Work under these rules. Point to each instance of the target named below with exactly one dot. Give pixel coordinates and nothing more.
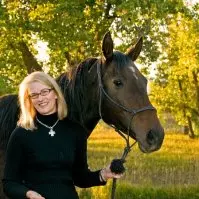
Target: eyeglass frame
(36, 95)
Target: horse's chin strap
(128, 147)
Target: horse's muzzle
(154, 140)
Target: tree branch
(29, 59)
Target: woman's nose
(40, 97)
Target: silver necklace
(51, 132)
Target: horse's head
(125, 102)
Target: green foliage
(177, 82)
(77, 27)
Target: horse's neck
(90, 124)
(83, 101)
(86, 114)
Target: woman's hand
(106, 174)
(33, 195)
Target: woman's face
(44, 98)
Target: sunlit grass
(165, 174)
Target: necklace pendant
(51, 132)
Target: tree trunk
(29, 59)
(191, 131)
(195, 78)
(186, 130)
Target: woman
(46, 154)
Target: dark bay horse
(111, 88)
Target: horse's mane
(74, 87)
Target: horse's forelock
(121, 59)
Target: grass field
(170, 173)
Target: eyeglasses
(43, 92)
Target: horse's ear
(107, 46)
(134, 51)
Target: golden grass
(175, 165)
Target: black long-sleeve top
(49, 165)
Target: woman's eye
(118, 83)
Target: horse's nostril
(151, 137)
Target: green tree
(75, 28)
(177, 82)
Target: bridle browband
(132, 111)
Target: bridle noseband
(132, 111)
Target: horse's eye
(118, 83)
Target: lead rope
(127, 149)
(125, 153)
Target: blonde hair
(28, 112)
